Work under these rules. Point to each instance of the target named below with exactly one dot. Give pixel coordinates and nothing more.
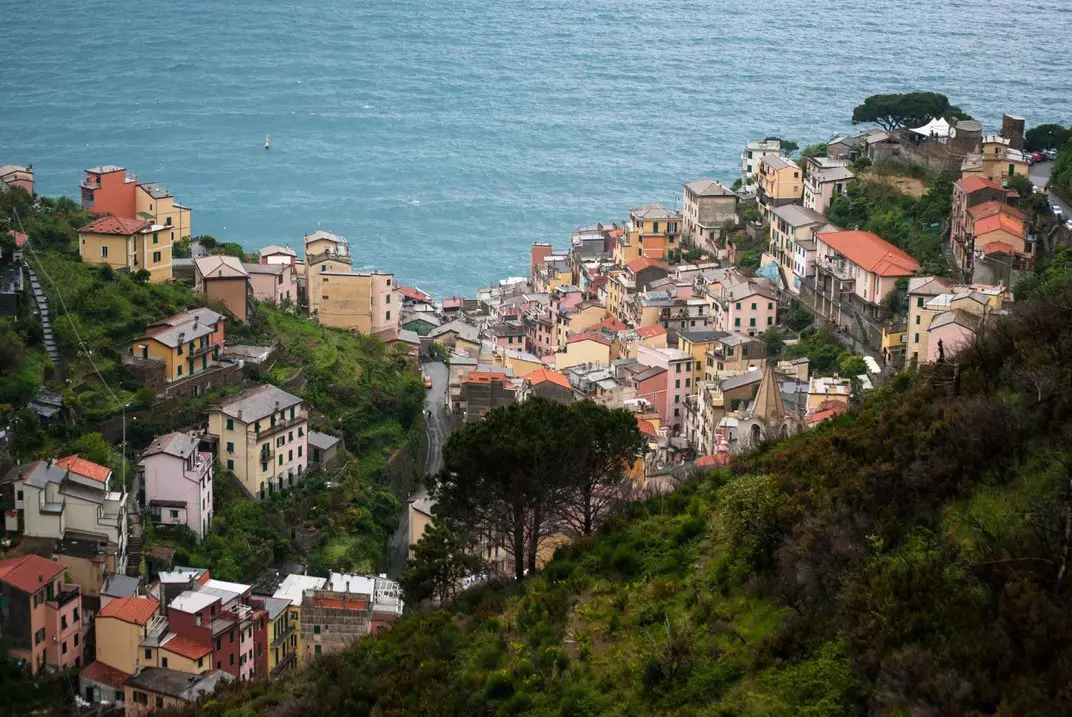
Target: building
(753, 153)
(40, 620)
(480, 392)
(72, 498)
(183, 345)
(128, 631)
(362, 302)
(281, 640)
(678, 366)
(652, 231)
(275, 254)
(996, 160)
(929, 297)
(825, 179)
(706, 206)
(217, 622)
(548, 384)
(854, 271)
(14, 176)
(110, 190)
(969, 192)
(177, 480)
(293, 589)
(792, 225)
(273, 282)
(590, 347)
(951, 331)
(324, 451)
(127, 245)
(263, 439)
(747, 307)
(160, 688)
(224, 280)
(457, 335)
(345, 609)
(779, 181)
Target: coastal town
(736, 315)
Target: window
(316, 629)
(76, 639)
(232, 658)
(917, 319)
(174, 515)
(388, 316)
(218, 643)
(677, 399)
(388, 300)
(230, 447)
(677, 412)
(753, 306)
(178, 369)
(141, 698)
(678, 368)
(770, 321)
(770, 306)
(163, 662)
(290, 455)
(63, 647)
(19, 495)
(74, 616)
(738, 304)
(290, 435)
(688, 382)
(280, 459)
(39, 636)
(156, 257)
(301, 431)
(299, 451)
(230, 465)
(677, 383)
(230, 424)
(316, 650)
(156, 238)
(737, 321)
(167, 222)
(148, 654)
(919, 302)
(751, 322)
(292, 413)
(104, 252)
(916, 340)
(160, 703)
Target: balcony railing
(267, 428)
(69, 593)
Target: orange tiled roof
(974, 183)
(29, 573)
(89, 469)
(612, 324)
(105, 675)
(643, 263)
(871, 252)
(589, 336)
(648, 332)
(186, 647)
(415, 294)
(991, 207)
(484, 377)
(827, 410)
(135, 610)
(716, 459)
(1004, 222)
(542, 375)
(114, 225)
(996, 247)
(647, 428)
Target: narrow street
(1039, 174)
(437, 427)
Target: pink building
(651, 386)
(272, 282)
(177, 480)
(954, 329)
(278, 255)
(41, 620)
(566, 296)
(678, 365)
(16, 176)
(749, 308)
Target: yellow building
(933, 295)
(575, 320)
(698, 343)
(363, 302)
(292, 589)
(996, 160)
(186, 344)
(591, 348)
(120, 628)
(282, 634)
(127, 245)
(780, 181)
(263, 438)
(651, 231)
(156, 205)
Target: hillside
(907, 559)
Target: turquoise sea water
(442, 138)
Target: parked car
(1029, 159)
(1050, 154)
(427, 380)
(1056, 210)
(1038, 157)
(1068, 225)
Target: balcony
(267, 430)
(66, 595)
(284, 635)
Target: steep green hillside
(908, 559)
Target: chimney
(240, 414)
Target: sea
(443, 138)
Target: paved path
(1039, 174)
(437, 426)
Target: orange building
(40, 620)
(110, 190)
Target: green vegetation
(1061, 174)
(911, 109)
(909, 557)
(914, 225)
(787, 144)
(1047, 136)
(825, 354)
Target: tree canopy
(910, 109)
(1047, 136)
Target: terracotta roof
(999, 247)
(991, 207)
(484, 377)
(643, 263)
(716, 459)
(597, 281)
(415, 294)
(105, 675)
(974, 183)
(589, 336)
(29, 573)
(871, 252)
(612, 324)
(89, 469)
(1004, 222)
(114, 225)
(542, 375)
(826, 410)
(187, 647)
(453, 303)
(135, 610)
(19, 237)
(647, 428)
(648, 332)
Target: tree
(604, 444)
(812, 150)
(442, 559)
(910, 109)
(1047, 136)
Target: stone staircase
(134, 548)
(41, 302)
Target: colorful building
(40, 620)
(14, 176)
(779, 181)
(706, 206)
(262, 438)
(273, 282)
(110, 190)
(177, 480)
(185, 344)
(127, 245)
(225, 281)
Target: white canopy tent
(937, 127)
